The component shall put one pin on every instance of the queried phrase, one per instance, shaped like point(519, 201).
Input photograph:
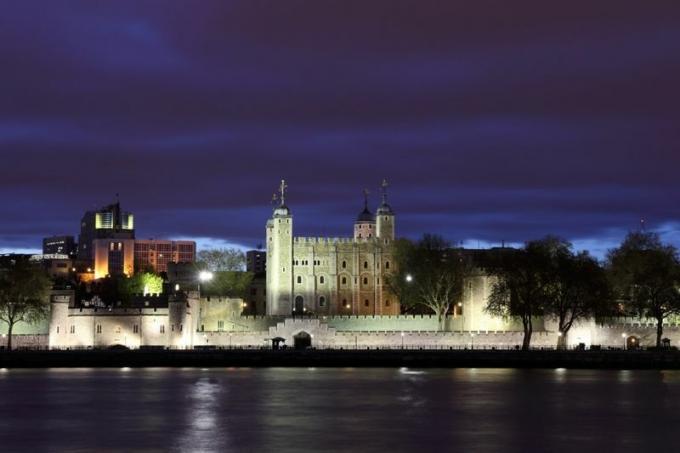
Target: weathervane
point(282, 191)
point(366, 192)
point(383, 189)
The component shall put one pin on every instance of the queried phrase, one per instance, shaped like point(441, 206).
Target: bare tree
point(429, 273)
point(225, 259)
point(646, 277)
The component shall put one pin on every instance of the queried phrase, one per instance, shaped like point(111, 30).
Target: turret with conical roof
point(385, 217)
point(364, 227)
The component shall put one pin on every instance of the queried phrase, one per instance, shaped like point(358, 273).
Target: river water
point(301, 409)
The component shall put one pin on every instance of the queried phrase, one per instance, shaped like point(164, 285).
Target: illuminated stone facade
point(149, 321)
point(328, 276)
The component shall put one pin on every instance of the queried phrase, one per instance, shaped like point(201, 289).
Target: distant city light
point(409, 278)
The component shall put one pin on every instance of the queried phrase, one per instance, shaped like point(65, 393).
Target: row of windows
point(118, 329)
point(322, 280)
point(366, 303)
point(343, 264)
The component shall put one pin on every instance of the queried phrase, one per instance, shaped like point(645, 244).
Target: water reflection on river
point(296, 409)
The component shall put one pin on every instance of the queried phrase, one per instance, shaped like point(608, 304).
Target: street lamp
point(472, 343)
point(624, 335)
point(409, 278)
point(402, 340)
point(203, 276)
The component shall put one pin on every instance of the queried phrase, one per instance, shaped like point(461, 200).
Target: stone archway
point(302, 340)
point(299, 306)
point(632, 342)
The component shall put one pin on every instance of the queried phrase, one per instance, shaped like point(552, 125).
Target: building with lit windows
point(156, 254)
point(109, 222)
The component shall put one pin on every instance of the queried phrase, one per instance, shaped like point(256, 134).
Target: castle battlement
point(322, 240)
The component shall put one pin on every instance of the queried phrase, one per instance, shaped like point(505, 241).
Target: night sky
point(492, 120)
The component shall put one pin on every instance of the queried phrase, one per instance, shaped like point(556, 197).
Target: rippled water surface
point(280, 410)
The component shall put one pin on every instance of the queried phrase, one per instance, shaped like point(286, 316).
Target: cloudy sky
point(492, 120)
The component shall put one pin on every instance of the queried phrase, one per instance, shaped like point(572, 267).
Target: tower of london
point(331, 276)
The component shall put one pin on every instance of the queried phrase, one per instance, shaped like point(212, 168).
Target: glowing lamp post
point(402, 340)
point(409, 278)
point(203, 276)
point(624, 335)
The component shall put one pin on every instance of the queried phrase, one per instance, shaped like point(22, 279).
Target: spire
point(365, 215)
point(383, 190)
point(384, 207)
point(282, 192)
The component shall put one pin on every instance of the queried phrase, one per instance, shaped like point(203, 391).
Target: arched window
point(365, 264)
point(344, 264)
point(387, 264)
point(344, 280)
point(322, 301)
point(387, 302)
point(365, 281)
point(321, 280)
point(299, 279)
point(366, 303)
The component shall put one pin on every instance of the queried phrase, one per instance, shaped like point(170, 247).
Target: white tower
point(280, 257)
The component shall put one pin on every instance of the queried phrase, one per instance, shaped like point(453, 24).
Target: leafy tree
point(577, 286)
point(521, 288)
point(24, 294)
point(225, 259)
point(430, 274)
point(228, 284)
point(645, 274)
point(141, 283)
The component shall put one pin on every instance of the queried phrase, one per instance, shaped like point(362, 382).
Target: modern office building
point(108, 222)
point(113, 257)
point(59, 245)
point(256, 261)
point(156, 254)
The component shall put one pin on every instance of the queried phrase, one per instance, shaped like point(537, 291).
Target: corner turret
point(385, 217)
point(364, 227)
point(280, 257)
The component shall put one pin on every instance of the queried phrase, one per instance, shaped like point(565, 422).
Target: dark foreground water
point(280, 410)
